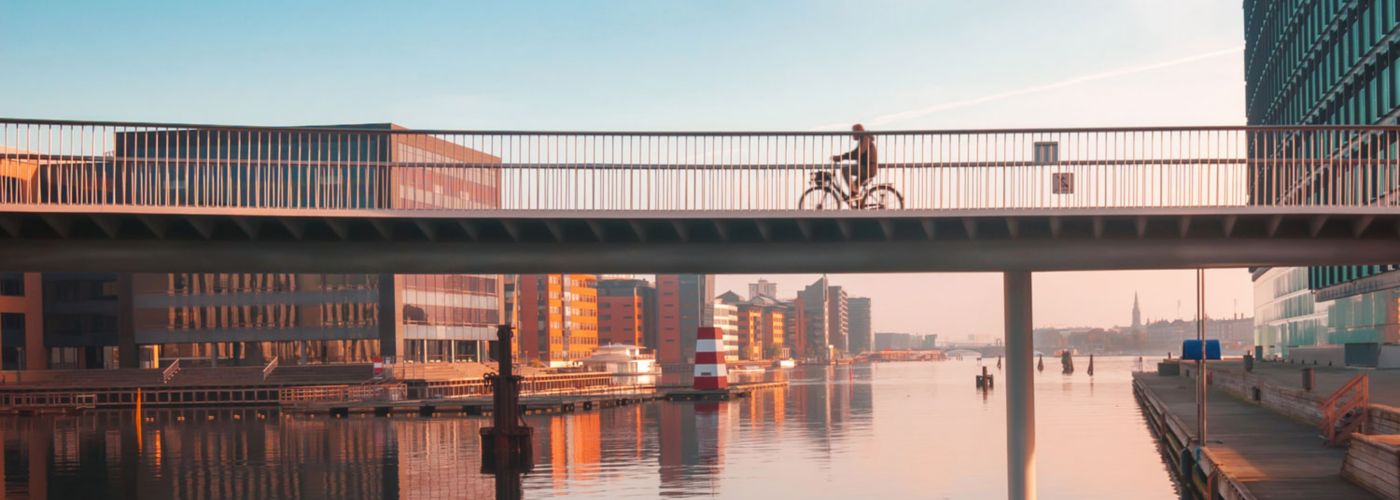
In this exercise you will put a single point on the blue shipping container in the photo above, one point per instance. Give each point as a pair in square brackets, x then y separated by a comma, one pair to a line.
[1191, 349]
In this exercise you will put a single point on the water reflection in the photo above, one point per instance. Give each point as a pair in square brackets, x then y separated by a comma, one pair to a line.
[905, 430]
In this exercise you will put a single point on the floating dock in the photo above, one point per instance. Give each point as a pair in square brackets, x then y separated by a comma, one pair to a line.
[733, 392]
[475, 406]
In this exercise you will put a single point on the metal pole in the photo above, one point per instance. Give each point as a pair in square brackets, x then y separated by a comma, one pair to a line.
[1020, 387]
[1201, 395]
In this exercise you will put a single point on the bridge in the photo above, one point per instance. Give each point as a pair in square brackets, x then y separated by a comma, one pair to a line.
[378, 198]
[150, 197]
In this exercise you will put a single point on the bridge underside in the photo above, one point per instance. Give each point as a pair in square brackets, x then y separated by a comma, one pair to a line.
[722, 242]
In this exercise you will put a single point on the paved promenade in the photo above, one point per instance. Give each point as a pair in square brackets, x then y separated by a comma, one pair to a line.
[1270, 455]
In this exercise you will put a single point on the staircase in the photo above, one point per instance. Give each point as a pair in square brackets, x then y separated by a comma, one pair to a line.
[1347, 410]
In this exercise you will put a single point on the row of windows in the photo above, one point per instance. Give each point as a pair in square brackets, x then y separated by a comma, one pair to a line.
[79, 290]
[202, 283]
[80, 324]
[1323, 277]
[1288, 77]
[270, 316]
[457, 283]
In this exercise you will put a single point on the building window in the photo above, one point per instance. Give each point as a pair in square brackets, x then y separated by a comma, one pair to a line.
[12, 284]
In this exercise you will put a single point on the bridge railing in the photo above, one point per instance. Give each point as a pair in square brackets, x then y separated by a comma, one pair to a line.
[179, 167]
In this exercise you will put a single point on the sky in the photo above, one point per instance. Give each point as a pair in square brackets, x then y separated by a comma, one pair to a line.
[635, 65]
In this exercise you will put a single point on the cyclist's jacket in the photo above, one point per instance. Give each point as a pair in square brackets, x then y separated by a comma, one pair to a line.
[867, 157]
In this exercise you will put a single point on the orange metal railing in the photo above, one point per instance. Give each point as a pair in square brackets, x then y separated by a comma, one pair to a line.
[1346, 411]
[149, 167]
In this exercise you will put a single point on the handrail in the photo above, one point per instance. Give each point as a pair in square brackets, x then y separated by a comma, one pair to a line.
[152, 166]
[1347, 410]
[644, 133]
[267, 370]
[170, 371]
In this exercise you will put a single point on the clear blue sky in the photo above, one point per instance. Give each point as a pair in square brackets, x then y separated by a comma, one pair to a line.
[633, 65]
[590, 65]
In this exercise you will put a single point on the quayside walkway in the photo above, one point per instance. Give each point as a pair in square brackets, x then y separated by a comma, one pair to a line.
[1258, 453]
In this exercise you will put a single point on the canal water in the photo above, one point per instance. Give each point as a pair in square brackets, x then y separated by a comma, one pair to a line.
[888, 430]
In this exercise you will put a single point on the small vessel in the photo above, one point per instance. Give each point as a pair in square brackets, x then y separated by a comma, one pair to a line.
[622, 359]
[785, 363]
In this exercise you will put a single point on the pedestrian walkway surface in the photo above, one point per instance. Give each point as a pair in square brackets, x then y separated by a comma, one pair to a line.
[1273, 456]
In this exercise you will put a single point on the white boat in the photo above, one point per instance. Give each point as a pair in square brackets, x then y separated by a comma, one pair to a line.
[622, 359]
[785, 363]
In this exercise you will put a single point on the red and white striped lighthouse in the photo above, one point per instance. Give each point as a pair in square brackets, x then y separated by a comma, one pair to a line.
[709, 360]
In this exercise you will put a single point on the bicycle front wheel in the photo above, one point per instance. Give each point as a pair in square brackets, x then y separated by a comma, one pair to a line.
[883, 198]
[819, 198]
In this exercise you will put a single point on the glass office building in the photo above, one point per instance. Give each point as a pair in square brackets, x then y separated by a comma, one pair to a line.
[1326, 62]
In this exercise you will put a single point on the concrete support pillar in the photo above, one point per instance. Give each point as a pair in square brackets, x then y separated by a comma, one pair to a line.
[1020, 387]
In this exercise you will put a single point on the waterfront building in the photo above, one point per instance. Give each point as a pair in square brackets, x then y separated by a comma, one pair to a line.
[761, 326]
[1324, 63]
[558, 317]
[862, 334]
[763, 288]
[838, 319]
[684, 304]
[886, 341]
[22, 322]
[772, 327]
[899, 341]
[627, 312]
[794, 329]
[726, 318]
[510, 315]
[92, 319]
[814, 306]
[747, 323]
[87, 321]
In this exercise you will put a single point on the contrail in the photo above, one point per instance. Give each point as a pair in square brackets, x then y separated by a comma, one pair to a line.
[915, 113]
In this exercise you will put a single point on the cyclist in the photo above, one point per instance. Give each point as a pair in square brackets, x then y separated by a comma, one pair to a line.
[867, 161]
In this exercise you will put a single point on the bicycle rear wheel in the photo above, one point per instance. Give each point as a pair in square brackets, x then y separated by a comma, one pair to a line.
[820, 198]
[882, 197]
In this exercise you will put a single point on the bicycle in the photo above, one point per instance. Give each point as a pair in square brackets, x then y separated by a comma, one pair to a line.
[827, 194]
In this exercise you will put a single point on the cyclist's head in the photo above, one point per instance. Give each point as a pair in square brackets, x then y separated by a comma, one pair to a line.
[857, 128]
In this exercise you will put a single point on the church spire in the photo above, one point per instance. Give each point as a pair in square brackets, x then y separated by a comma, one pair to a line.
[1137, 312]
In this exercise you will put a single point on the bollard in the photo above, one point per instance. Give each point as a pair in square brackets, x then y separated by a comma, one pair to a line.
[1308, 379]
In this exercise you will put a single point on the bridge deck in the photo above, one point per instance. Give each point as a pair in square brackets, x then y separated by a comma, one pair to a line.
[77, 238]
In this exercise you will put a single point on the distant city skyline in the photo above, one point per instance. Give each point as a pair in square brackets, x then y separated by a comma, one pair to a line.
[1059, 301]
